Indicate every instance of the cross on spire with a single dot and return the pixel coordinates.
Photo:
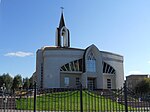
(62, 9)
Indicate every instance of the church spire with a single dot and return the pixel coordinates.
(62, 33)
(62, 22)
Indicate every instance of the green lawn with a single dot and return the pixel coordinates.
(68, 101)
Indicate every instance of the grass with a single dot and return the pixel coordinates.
(69, 101)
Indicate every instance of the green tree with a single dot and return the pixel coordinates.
(143, 87)
(31, 82)
(17, 82)
(26, 83)
(7, 80)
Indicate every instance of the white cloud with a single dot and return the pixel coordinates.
(149, 62)
(19, 54)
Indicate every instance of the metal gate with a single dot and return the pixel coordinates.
(73, 99)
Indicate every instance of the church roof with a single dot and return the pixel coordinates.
(59, 48)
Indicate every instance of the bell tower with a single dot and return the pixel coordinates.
(62, 33)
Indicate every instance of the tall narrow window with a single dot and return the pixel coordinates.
(41, 75)
(77, 82)
(66, 81)
(91, 63)
(108, 83)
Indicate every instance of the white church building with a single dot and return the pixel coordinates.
(63, 66)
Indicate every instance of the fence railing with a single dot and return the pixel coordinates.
(75, 99)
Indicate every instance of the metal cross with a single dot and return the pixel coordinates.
(62, 8)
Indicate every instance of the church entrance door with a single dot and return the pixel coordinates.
(91, 83)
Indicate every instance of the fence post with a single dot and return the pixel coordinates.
(34, 96)
(81, 102)
(4, 96)
(125, 97)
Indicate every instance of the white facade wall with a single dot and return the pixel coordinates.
(54, 58)
(116, 61)
(39, 61)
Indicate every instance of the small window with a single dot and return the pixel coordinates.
(108, 83)
(77, 82)
(66, 81)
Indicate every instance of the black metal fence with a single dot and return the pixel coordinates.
(73, 99)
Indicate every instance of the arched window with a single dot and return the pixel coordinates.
(64, 37)
(91, 63)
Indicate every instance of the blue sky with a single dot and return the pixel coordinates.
(119, 26)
